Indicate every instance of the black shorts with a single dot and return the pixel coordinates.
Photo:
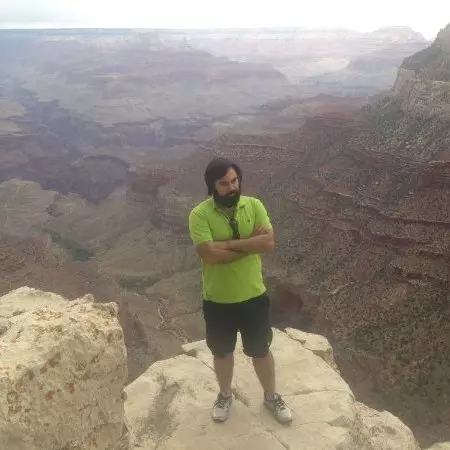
(250, 317)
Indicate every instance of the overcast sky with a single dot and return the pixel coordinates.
(427, 17)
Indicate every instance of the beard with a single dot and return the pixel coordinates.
(229, 200)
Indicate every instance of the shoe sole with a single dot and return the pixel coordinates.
(216, 420)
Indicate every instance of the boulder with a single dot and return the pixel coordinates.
(62, 373)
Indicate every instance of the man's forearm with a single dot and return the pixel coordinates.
(220, 254)
(223, 252)
(224, 256)
(255, 244)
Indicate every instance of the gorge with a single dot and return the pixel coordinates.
(102, 156)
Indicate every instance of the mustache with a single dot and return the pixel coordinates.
(229, 194)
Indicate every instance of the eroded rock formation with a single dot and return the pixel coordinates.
(62, 374)
(63, 371)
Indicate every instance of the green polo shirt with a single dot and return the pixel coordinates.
(239, 280)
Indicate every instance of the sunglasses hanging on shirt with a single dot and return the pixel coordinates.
(235, 227)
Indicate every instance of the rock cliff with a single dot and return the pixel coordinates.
(423, 83)
(63, 375)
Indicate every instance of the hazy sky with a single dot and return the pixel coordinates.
(427, 17)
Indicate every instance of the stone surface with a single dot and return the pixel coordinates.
(62, 373)
(440, 446)
(169, 406)
(422, 97)
(319, 345)
(384, 431)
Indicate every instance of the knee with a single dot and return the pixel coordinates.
(223, 356)
(257, 348)
(258, 354)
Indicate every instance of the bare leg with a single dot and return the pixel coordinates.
(265, 370)
(223, 367)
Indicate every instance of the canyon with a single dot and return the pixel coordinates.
(104, 138)
(304, 55)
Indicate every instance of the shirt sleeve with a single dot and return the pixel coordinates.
(199, 228)
(261, 216)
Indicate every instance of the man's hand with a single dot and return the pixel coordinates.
(221, 252)
(259, 230)
(218, 252)
(260, 241)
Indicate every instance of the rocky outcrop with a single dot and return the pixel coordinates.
(169, 405)
(423, 82)
(432, 62)
(420, 96)
(62, 372)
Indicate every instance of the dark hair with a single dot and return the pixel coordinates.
(217, 168)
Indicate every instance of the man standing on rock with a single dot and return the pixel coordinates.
(230, 231)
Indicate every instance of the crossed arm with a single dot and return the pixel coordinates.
(223, 252)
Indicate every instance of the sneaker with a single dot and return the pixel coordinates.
(279, 409)
(221, 407)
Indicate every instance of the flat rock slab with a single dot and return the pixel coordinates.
(169, 406)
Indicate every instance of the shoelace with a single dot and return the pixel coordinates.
(221, 401)
(279, 403)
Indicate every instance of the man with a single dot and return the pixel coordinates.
(230, 231)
